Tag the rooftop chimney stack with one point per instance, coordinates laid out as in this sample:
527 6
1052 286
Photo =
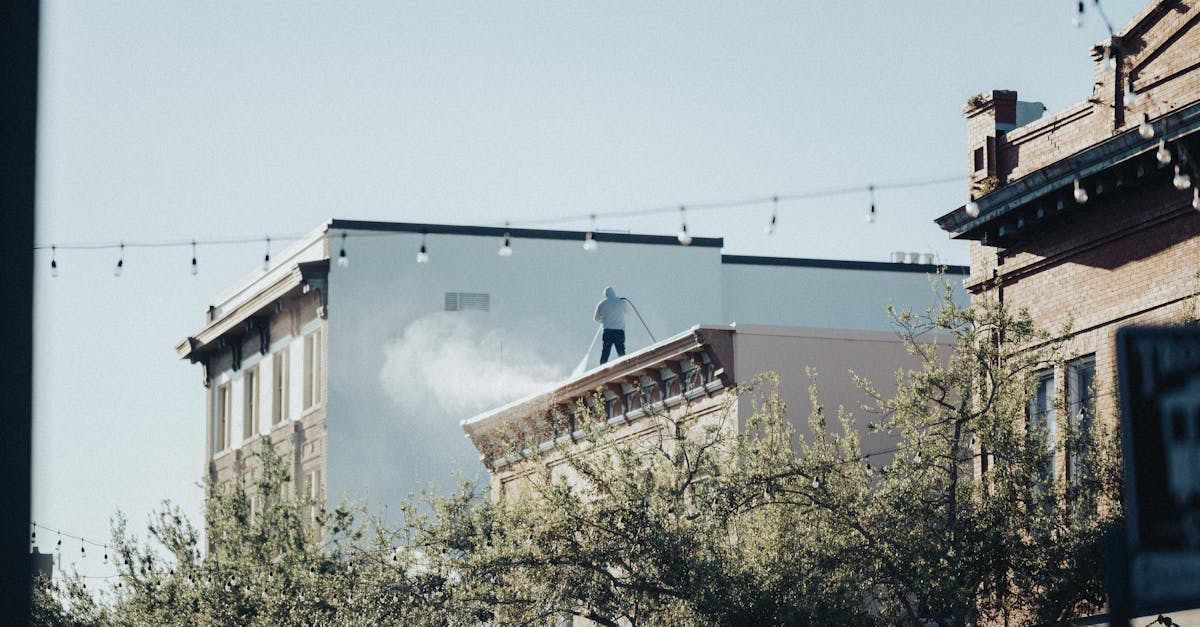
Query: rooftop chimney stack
989 115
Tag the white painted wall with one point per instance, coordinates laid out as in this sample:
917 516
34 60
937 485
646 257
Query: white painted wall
403 372
830 298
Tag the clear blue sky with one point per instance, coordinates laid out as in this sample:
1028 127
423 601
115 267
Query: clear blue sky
165 121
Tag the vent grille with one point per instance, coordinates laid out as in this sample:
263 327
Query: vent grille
468 301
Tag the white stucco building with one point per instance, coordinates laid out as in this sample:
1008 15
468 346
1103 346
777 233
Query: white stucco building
363 372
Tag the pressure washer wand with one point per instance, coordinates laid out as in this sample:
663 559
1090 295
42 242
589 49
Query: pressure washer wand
639 315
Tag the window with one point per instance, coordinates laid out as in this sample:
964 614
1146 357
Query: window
978 158
313 492
1041 414
312 369
222 413
1081 375
468 301
279 386
250 408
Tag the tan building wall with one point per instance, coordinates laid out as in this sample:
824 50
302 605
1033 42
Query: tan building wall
723 357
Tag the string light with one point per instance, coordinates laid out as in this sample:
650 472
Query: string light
1196 198
871 212
506 249
683 236
589 240
1077 21
343 261
1145 128
774 215
53 263
120 262
1163 154
267 257
1131 96
195 266
1182 180
423 254
972 209
1081 195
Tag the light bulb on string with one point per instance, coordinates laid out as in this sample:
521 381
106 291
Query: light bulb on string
589 239
815 484
972 208
423 253
1131 96
1196 198
195 266
1077 21
1182 180
1163 154
774 215
683 236
871 212
120 262
1109 62
53 264
1081 195
506 249
1145 128
343 261
266 265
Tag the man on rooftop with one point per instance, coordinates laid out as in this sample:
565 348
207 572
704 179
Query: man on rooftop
610 313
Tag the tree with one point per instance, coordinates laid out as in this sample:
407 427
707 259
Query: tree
269 560
655 530
971 521
697 521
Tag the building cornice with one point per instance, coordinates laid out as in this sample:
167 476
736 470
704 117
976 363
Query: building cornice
1018 208
533 414
302 277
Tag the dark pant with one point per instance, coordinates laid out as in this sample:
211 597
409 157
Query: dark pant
612 337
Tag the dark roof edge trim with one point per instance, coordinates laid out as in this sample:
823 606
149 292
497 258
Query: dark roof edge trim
491 231
924 268
1058 175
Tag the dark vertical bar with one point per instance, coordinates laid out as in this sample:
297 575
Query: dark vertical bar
18 137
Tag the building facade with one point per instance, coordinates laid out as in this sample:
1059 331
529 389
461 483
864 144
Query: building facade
360 360
1089 217
690 378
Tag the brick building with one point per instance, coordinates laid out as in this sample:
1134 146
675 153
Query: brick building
1088 216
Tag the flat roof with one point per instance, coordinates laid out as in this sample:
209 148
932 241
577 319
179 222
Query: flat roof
493 231
840 264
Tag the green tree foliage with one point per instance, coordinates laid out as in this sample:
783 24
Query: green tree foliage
704 518
941 540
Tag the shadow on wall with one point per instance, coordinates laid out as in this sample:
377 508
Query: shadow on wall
448 366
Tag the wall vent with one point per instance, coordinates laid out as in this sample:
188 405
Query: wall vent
468 301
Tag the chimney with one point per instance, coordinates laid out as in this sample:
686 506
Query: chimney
989 115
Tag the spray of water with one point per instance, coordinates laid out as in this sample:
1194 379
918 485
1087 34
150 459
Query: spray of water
583 362
450 363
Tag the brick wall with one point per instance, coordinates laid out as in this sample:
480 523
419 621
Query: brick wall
1125 258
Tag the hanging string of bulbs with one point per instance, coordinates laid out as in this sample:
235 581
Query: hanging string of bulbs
590 244
59 534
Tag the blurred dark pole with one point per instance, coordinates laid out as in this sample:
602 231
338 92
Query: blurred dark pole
18 137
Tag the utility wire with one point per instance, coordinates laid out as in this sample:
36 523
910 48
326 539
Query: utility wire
773 199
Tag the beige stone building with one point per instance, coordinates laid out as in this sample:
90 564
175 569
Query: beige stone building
359 349
692 374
